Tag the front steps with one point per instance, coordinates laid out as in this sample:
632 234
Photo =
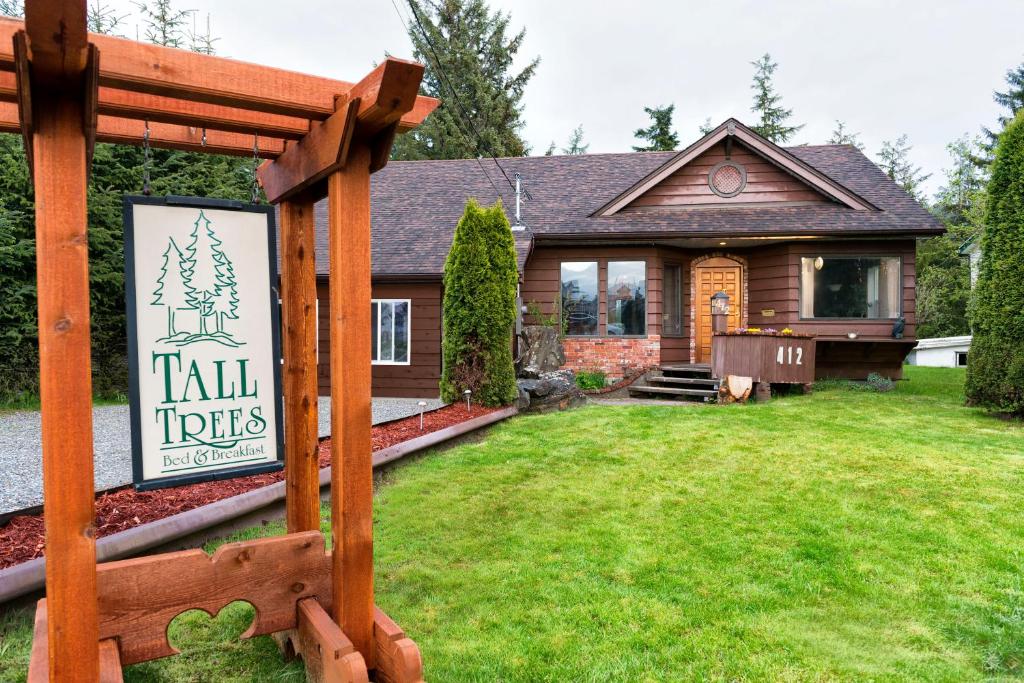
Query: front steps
690 382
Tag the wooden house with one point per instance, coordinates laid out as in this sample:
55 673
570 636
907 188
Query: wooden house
627 249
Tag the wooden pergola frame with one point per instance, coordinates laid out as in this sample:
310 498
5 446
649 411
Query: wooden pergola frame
64 89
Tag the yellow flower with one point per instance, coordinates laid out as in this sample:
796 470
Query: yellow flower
786 330
753 330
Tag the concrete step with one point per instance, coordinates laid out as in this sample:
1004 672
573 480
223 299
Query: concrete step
672 391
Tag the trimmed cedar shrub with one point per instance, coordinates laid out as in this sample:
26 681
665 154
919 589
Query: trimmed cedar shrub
995 366
480 279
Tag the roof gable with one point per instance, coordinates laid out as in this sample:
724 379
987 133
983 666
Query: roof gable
732 166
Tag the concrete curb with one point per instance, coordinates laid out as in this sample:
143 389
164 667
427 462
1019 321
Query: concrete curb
29 576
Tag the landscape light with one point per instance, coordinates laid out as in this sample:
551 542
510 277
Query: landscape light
468 393
422 405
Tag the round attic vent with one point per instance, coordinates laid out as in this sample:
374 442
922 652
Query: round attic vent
727 179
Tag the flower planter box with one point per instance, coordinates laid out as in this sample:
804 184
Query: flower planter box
770 358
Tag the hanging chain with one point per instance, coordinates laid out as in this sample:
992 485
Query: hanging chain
145 161
254 196
204 137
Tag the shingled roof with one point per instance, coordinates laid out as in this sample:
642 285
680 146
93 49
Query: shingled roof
416 205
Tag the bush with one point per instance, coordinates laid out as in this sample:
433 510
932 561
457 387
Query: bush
480 279
879 383
995 366
588 380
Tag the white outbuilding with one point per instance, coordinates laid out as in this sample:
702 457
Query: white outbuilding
941 352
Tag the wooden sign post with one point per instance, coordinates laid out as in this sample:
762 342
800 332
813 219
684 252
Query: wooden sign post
321 138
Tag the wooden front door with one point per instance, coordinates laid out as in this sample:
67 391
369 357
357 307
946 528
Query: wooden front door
718 274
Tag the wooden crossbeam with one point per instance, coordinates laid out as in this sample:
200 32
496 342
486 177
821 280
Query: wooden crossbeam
381 99
180 74
163 135
153 108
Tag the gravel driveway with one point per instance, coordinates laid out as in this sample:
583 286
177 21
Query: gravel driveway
21 467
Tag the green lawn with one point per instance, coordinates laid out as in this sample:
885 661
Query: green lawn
845 535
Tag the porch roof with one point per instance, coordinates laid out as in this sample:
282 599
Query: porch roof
416 205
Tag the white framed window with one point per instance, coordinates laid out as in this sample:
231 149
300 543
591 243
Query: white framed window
961 359
391 324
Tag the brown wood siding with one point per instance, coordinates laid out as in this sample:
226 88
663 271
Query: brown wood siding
766 183
775 284
542 279
419 379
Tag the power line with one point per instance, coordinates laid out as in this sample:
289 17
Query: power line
458 102
497 192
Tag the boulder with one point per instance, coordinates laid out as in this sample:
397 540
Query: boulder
540 351
551 391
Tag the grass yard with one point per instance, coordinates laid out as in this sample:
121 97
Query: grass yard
846 535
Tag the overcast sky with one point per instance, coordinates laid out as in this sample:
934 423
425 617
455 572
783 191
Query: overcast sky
926 69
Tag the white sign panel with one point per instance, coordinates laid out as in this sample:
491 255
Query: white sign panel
203 339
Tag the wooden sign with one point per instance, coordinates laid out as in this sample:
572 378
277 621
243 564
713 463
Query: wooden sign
767 312
203 340
783 359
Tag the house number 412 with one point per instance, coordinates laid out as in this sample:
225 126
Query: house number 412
785 356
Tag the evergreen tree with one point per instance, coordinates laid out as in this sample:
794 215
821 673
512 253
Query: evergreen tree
995 370
467 49
576 145
1012 100
659 135
841 136
943 275
706 127
551 149
960 201
479 311
772 117
171 290
162 23
103 19
894 159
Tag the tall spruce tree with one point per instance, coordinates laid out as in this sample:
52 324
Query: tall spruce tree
842 136
468 53
659 135
479 311
576 145
943 275
1012 101
995 370
894 159
773 118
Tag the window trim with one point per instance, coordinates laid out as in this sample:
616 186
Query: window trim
665 265
607 306
956 359
561 304
848 257
408 303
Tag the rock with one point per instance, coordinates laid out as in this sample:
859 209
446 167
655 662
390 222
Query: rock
540 351
551 391
523 402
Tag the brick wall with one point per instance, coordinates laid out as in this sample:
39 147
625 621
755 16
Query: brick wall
614 355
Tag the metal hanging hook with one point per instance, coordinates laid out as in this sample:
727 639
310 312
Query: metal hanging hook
254 195
145 161
204 138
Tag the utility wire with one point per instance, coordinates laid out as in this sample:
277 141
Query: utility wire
442 76
497 193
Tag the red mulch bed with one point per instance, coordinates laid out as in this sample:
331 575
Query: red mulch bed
21 539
